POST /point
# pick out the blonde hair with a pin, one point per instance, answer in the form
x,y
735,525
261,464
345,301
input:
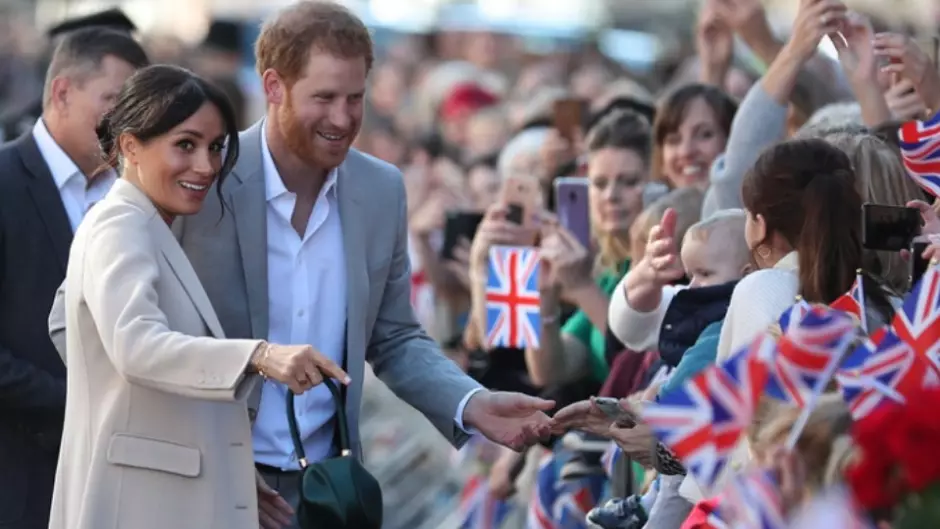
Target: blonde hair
x,y
687,202
828,421
730,225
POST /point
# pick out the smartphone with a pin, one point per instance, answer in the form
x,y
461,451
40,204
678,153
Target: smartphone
x,y
889,228
919,265
569,117
572,207
458,225
521,194
611,408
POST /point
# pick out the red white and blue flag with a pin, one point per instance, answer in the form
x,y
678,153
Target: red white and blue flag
x,y
512,298
920,150
752,501
478,508
853,302
682,420
891,368
918,321
794,314
736,386
806,352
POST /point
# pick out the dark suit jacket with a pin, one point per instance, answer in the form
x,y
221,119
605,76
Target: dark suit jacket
x,y
35,235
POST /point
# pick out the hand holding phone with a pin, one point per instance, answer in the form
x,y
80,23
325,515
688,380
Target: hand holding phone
x,y
611,407
889,228
521,195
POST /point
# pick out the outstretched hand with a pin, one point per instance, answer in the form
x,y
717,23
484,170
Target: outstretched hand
x,y
513,420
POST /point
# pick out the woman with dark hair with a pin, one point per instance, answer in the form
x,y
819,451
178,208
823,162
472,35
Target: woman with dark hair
x,y
157,427
798,196
691,130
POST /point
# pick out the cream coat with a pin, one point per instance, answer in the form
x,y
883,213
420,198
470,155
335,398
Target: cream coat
x,y
157,432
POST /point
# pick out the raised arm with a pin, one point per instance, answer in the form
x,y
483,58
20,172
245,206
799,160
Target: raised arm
x,y
119,279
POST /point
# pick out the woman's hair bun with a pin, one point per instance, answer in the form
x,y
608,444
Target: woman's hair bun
x,y
106,139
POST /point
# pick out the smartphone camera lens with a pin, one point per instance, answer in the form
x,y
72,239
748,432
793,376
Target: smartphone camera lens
x,y
572,196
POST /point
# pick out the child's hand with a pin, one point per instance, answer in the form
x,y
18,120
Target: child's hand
x,y
662,254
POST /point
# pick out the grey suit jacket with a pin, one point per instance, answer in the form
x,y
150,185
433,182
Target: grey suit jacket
x,y
228,250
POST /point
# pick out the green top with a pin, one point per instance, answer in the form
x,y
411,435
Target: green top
x,y
580,327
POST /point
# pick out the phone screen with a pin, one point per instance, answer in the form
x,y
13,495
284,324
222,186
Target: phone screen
x,y
457,225
889,228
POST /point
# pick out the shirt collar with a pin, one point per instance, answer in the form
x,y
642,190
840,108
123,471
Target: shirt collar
x,y
273,184
60,165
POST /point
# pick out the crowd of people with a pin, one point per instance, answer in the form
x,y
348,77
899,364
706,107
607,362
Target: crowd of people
x,y
719,199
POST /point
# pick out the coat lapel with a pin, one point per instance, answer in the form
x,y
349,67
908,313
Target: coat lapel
x,y
173,253
249,209
352,218
45,195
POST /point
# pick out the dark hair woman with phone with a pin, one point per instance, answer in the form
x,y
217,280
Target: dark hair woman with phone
x,y
802,200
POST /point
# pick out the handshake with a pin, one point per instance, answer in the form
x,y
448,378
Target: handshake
x,y
299,367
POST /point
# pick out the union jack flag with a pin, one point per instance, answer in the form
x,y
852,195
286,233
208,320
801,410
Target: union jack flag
x,y
920,150
543,496
890,369
611,456
753,501
512,298
478,508
794,314
808,354
560,504
682,420
736,387
918,321
853,302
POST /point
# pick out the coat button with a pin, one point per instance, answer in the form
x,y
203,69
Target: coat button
x,y
252,414
668,326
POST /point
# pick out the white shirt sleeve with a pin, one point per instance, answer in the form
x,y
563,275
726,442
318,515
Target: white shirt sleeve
x,y
638,331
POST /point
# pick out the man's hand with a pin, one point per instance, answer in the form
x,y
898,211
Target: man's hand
x,y
273,511
513,420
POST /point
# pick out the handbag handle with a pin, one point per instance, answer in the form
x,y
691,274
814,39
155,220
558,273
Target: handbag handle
x,y
340,423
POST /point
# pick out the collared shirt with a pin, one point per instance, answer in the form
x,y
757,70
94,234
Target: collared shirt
x,y
306,305
77,193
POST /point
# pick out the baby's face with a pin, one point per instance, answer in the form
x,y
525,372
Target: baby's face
x,y
706,264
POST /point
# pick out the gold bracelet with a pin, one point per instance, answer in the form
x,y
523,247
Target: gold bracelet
x,y
265,350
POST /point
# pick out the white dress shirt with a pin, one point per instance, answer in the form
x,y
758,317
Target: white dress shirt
x,y
78,194
306,305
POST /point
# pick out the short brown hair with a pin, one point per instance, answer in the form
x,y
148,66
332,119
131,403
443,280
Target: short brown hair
x,y
286,39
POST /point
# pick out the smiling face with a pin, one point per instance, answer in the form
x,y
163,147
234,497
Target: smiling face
x,y
176,169
320,114
689,150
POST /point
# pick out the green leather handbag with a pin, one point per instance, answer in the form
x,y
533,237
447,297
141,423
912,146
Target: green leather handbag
x,y
336,493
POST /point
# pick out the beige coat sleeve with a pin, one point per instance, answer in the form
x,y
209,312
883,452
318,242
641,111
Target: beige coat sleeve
x,y
119,283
